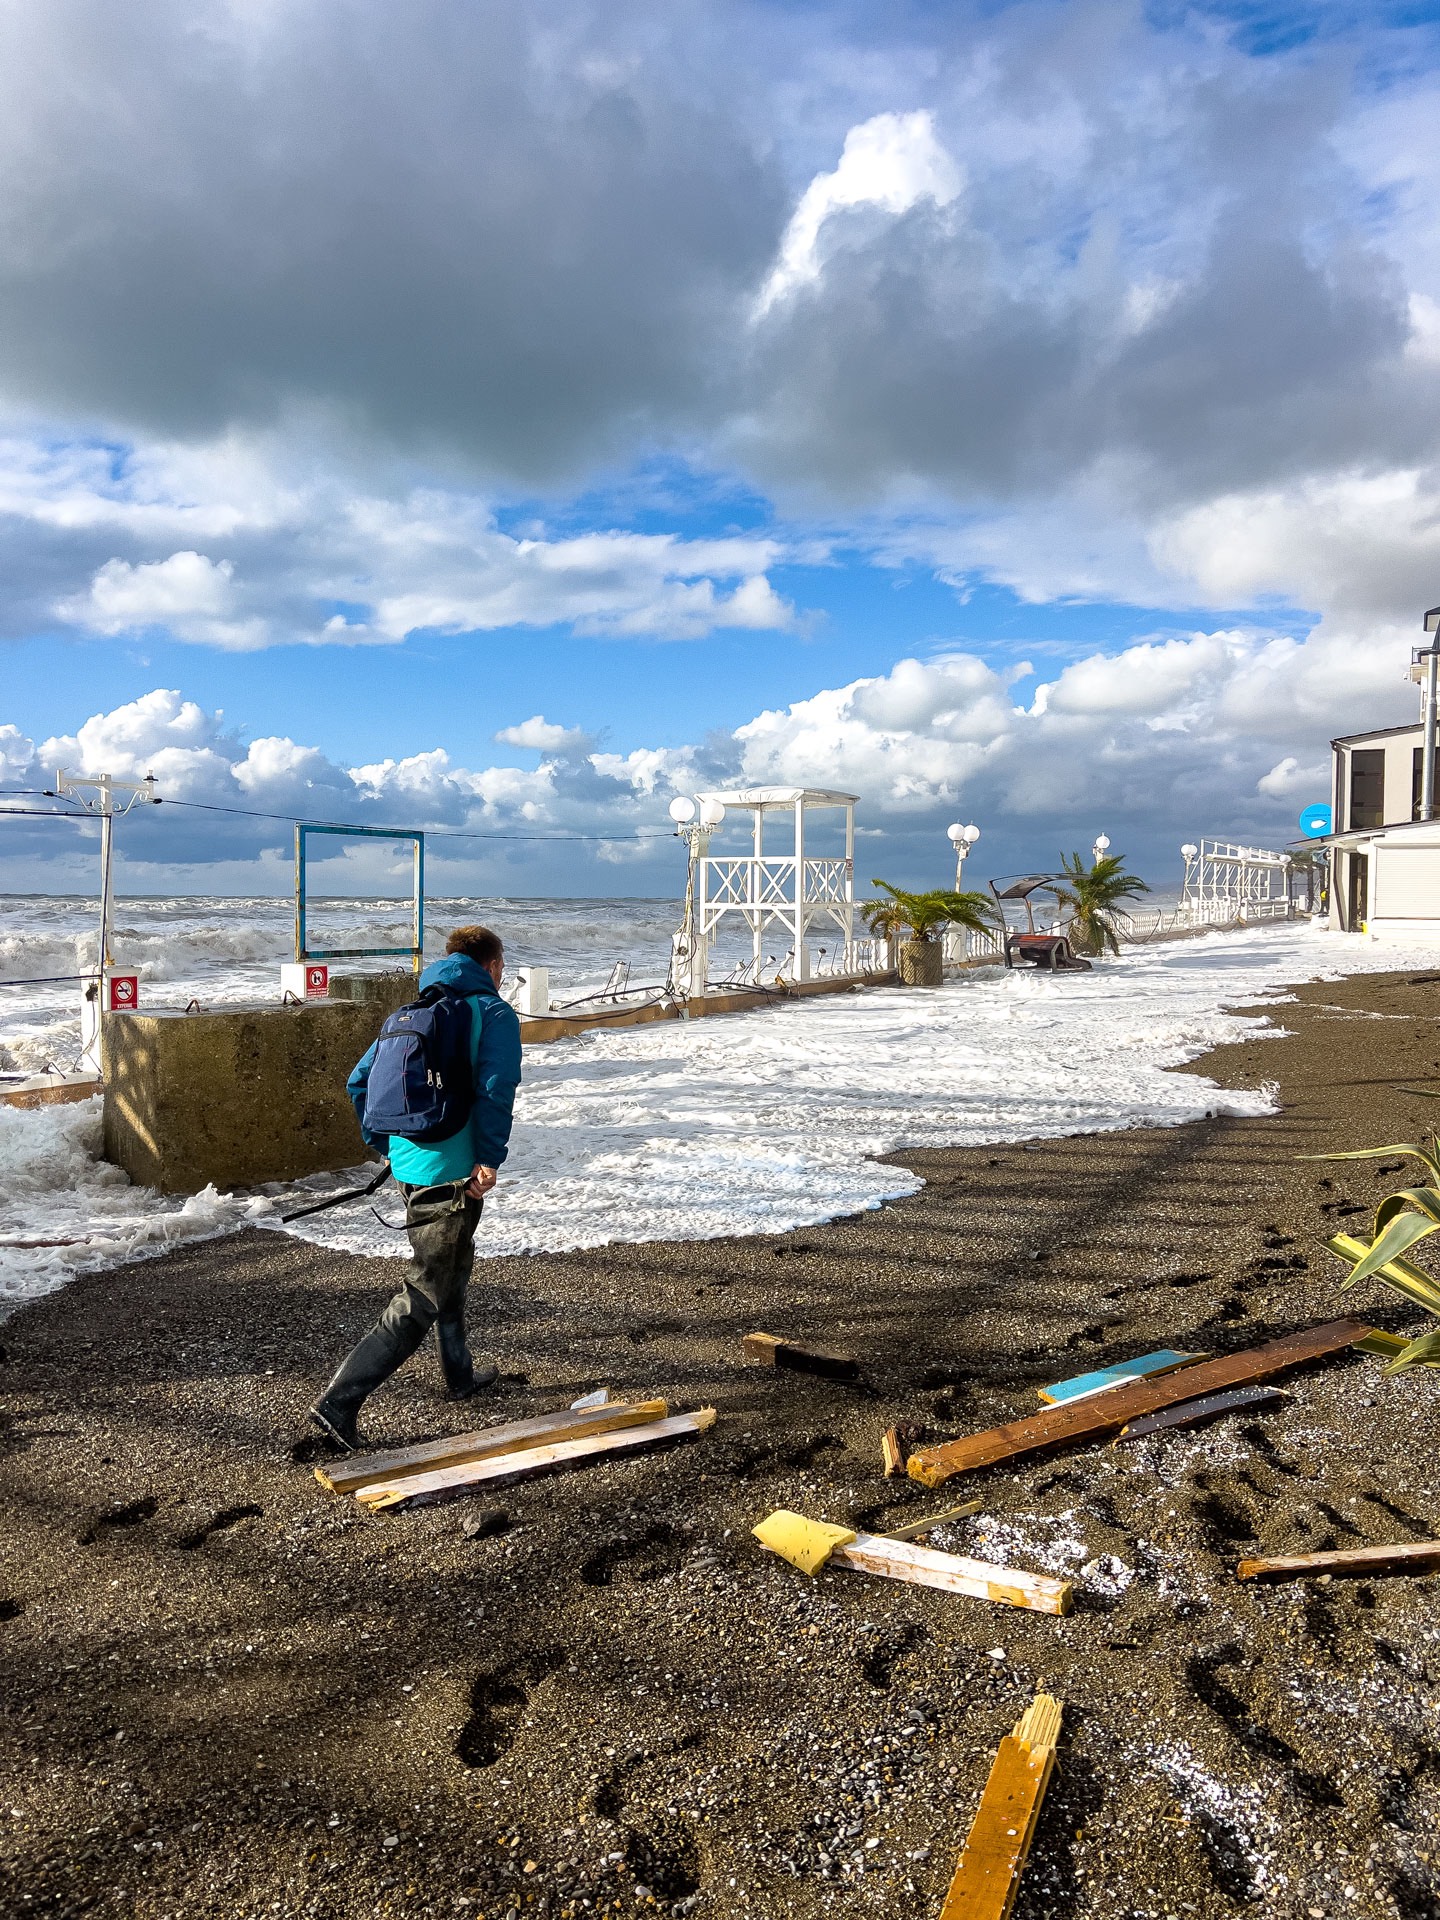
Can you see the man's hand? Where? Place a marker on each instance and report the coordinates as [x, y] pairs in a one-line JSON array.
[[480, 1182]]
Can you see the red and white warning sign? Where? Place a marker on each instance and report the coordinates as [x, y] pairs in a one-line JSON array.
[[305, 979], [122, 992]]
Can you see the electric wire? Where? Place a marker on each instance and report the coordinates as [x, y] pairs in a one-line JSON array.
[[431, 833]]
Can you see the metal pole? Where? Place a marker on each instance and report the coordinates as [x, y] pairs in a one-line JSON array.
[[802, 971], [419, 928], [850, 885], [299, 893], [1427, 751], [107, 876], [757, 891]]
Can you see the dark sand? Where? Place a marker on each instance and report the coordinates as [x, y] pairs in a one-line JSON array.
[[226, 1692]]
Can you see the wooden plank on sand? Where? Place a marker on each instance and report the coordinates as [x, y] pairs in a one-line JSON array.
[[914, 1528], [1108, 1412], [526, 1461], [988, 1876], [345, 1476], [767, 1350], [1195, 1413], [952, 1572], [1405, 1556], [1149, 1366]]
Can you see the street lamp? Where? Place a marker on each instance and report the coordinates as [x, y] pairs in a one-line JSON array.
[[1098, 851], [690, 958], [962, 839]]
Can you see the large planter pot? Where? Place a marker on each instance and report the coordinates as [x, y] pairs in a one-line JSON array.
[[922, 964]]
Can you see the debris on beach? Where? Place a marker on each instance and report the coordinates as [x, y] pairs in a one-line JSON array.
[[495, 1456], [1110, 1411], [1404, 1556], [988, 1876], [917, 1529], [896, 1446], [766, 1350], [1150, 1366], [812, 1544], [1198, 1413]]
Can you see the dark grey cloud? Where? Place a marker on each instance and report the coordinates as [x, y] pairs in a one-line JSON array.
[[436, 239], [482, 228]]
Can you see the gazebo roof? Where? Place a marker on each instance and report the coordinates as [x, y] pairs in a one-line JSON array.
[[768, 799]]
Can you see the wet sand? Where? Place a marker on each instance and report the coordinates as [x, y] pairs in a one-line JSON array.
[[226, 1692]]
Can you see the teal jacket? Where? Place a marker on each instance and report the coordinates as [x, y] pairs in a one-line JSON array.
[[495, 1065]]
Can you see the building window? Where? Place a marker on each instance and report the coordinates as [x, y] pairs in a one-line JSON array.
[[1367, 788]]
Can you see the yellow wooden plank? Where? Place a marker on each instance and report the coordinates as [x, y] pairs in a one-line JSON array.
[[987, 1877]]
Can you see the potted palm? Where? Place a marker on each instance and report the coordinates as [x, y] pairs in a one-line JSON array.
[[1094, 895], [913, 920]]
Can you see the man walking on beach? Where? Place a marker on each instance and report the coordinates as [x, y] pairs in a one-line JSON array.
[[422, 1085]]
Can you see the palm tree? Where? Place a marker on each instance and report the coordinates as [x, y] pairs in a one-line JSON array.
[[921, 916], [1093, 895]]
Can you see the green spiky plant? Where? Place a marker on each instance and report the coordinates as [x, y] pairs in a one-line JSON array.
[[922, 915], [1402, 1220], [1093, 895]]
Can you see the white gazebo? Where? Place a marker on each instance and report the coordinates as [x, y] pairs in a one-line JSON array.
[[795, 893]]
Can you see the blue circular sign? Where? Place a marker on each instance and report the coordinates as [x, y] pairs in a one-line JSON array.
[[1316, 822]]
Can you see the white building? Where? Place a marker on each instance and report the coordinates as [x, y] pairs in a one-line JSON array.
[[1385, 860]]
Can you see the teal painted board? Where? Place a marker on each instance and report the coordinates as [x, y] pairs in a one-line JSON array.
[[1147, 1366]]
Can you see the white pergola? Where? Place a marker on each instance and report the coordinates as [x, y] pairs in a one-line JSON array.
[[793, 892]]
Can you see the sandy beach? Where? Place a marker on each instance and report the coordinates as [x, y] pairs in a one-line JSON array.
[[227, 1692]]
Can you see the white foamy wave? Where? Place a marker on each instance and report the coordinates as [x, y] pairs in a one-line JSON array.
[[758, 1122], [771, 1120], [56, 1188]]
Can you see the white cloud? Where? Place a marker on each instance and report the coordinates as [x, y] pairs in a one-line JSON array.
[[545, 737], [396, 562], [1219, 733], [17, 753], [1287, 778], [190, 596], [890, 162]]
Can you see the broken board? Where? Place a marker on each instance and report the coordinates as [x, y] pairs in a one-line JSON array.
[[1197, 1413], [766, 1350], [522, 1463], [988, 1876], [1148, 1367], [346, 1476], [895, 1445], [1108, 1412], [1406, 1556], [913, 1529], [953, 1572]]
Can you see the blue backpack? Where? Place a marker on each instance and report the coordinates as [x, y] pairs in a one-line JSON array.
[[420, 1083]]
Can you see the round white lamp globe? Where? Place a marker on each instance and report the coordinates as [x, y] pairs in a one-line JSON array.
[[955, 834], [970, 835], [711, 813], [1189, 850], [682, 810]]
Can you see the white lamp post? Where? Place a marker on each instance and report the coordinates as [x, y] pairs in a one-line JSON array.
[[1101, 846], [690, 960], [962, 839]]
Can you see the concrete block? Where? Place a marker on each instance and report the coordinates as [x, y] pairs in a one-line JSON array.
[[385, 990], [235, 1095]]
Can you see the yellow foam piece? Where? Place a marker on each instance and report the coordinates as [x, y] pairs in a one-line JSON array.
[[806, 1544]]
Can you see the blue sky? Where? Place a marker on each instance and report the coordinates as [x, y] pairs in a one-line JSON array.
[[1013, 413]]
